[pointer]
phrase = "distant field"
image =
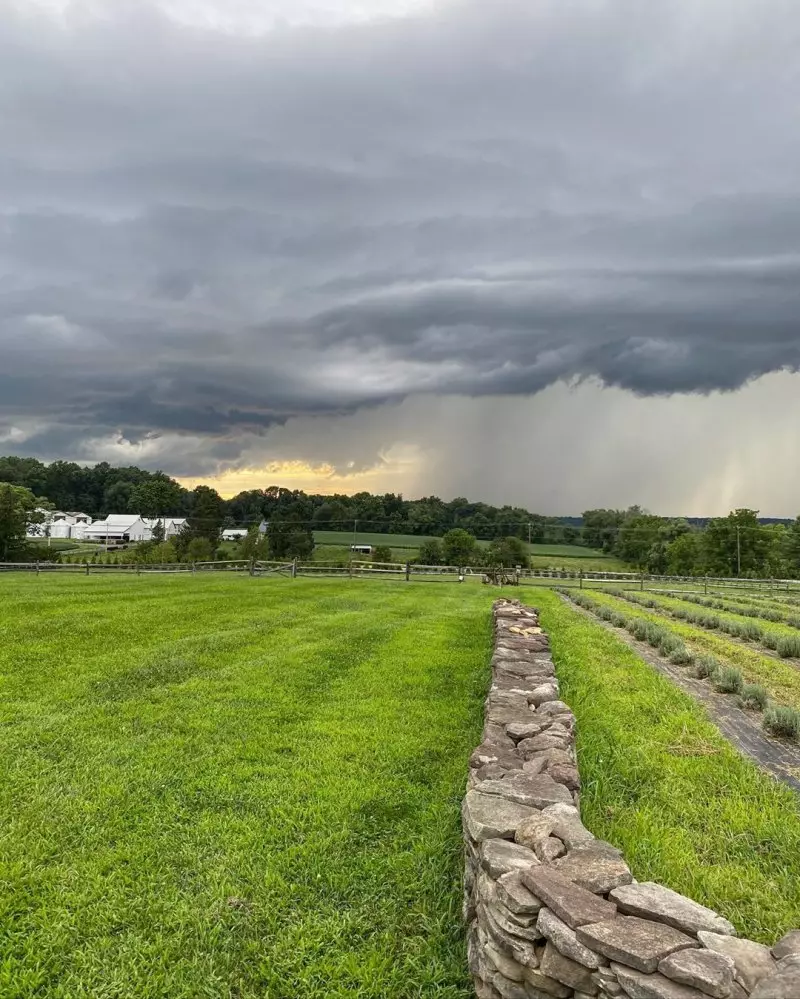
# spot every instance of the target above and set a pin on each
(556, 554)
(584, 563)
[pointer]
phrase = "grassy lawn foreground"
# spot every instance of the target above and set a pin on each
(235, 788)
(661, 783)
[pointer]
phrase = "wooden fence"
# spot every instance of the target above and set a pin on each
(409, 571)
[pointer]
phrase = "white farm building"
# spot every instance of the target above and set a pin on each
(119, 528)
(60, 524)
(125, 528)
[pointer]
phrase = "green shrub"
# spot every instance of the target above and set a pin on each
(729, 680)
(753, 632)
(705, 666)
(783, 721)
(770, 640)
(753, 696)
(789, 646)
(619, 620)
(681, 656)
(668, 644)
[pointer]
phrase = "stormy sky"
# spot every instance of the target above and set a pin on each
(544, 252)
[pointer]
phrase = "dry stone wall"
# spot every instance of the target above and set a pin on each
(552, 912)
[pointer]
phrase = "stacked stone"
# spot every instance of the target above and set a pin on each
(554, 913)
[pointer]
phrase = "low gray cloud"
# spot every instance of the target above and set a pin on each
(207, 234)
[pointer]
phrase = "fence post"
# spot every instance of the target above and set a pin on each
(138, 569)
(37, 566)
(706, 585)
(580, 580)
(641, 582)
(87, 566)
(294, 568)
(408, 571)
(193, 569)
(252, 567)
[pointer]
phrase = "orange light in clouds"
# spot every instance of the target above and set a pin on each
(310, 478)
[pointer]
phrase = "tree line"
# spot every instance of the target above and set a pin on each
(737, 545)
(102, 489)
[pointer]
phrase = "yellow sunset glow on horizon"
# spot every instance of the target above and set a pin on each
(388, 476)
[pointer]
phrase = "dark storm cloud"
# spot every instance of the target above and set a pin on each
(210, 233)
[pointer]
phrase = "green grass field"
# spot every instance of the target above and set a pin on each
(225, 787)
(235, 787)
(660, 782)
(572, 558)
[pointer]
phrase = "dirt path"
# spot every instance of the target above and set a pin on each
(741, 728)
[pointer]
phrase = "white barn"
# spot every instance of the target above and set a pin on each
(172, 525)
(119, 527)
(234, 533)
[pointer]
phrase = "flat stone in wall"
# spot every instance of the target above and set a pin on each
(554, 913)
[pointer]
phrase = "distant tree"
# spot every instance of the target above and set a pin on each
(382, 553)
(643, 540)
(159, 532)
(163, 553)
(331, 515)
(17, 512)
(600, 528)
(157, 496)
(205, 520)
(791, 548)
(200, 550)
(571, 535)
(685, 555)
(253, 545)
(778, 563)
(508, 552)
(117, 497)
(289, 539)
(734, 540)
(430, 552)
(458, 547)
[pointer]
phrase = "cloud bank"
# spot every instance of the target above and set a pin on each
(215, 220)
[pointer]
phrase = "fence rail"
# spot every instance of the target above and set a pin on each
(358, 569)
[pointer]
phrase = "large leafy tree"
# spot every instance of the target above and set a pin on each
(204, 521)
(458, 547)
(17, 512)
(289, 538)
(508, 552)
(157, 496)
(736, 544)
(430, 552)
(600, 528)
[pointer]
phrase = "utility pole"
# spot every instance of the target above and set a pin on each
(529, 534)
(738, 552)
(355, 532)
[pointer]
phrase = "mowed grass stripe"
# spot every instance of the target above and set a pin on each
(259, 797)
(660, 782)
(781, 679)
